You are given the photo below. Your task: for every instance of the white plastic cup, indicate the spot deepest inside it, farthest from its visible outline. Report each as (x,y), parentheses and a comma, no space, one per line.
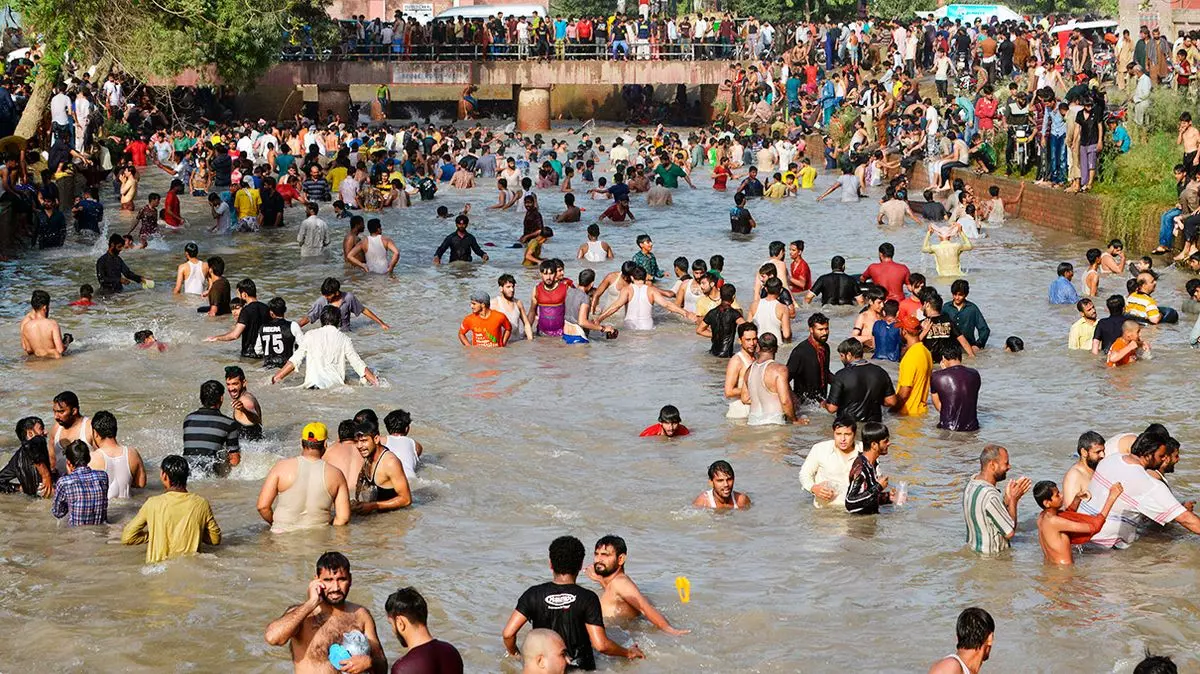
(902,493)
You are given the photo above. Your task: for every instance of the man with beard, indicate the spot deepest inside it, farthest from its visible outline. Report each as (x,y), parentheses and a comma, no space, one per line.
(246,410)
(622,598)
(1091,452)
(1146,497)
(320,622)
(720,494)
(991,518)
(570,610)
(976,632)
(409,616)
(382,485)
(69,425)
(748,339)
(808,364)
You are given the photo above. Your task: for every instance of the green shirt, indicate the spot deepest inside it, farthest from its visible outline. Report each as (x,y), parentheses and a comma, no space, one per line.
(670,175)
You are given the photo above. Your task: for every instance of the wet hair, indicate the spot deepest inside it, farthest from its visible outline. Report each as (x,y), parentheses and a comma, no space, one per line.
(891,308)
(932,298)
(366,414)
(669,414)
(330,286)
(191,249)
(235,372)
(849,347)
(1092,255)
(1088,439)
(1156,664)
(345,430)
(374,226)
(27,424)
(775,248)
(1064,268)
(104,424)
(816,319)
(333,561)
(837,263)
(874,293)
(887,250)
(86,290)
(681,263)
(367,427)
(77,453)
(331,315)
(643,238)
(587,277)
(612,541)
(1147,443)
(728,292)
(176,469)
(768,269)
(277,306)
(716,262)
(799,244)
(989,454)
(506,278)
(915,279)
(872,432)
(216,264)
(721,467)
(768,342)
(844,421)
(397,422)
(960,287)
(409,604)
(40,299)
(748,326)
(1043,491)
(247,286)
(211,393)
(67,398)
(1115,304)
(1014,344)
(566,555)
(973,628)
(773,286)
(949,350)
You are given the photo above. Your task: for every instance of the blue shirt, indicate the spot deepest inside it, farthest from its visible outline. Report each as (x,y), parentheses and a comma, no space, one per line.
(1121,137)
(447,172)
(560,29)
(887,341)
(1062,292)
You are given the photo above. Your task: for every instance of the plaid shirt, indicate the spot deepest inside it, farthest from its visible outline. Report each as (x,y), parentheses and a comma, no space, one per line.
(83,495)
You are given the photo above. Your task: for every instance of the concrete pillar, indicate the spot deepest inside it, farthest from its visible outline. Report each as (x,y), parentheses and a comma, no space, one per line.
(533,109)
(335,99)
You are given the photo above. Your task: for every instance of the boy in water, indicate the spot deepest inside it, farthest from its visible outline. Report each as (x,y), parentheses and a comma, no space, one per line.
(85,296)
(1059,528)
(670,424)
(145,340)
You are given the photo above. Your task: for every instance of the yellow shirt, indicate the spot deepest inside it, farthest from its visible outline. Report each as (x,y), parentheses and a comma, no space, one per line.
(777,190)
(916,368)
(173,524)
(705,304)
(808,176)
(1082,332)
(335,177)
(946,254)
(246,202)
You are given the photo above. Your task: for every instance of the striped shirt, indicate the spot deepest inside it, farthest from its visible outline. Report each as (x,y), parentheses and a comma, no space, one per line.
(988,521)
(316,189)
(82,497)
(207,432)
(1144,500)
(1141,306)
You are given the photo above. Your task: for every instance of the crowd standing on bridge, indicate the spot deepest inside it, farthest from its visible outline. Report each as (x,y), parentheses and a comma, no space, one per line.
(255,175)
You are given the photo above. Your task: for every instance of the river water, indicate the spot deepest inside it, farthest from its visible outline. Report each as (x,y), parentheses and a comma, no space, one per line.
(540,440)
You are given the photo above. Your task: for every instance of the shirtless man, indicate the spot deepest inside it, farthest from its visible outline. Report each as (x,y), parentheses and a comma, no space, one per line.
(1112,261)
(736,368)
(350,242)
(40,335)
(69,425)
(720,494)
(622,598)
(318,623)
(507,303)
(864,324)
(344,455)
(638,315)
(246,410)
(1059,529)
(382,485)
(765,387)
(615,281)
(1091,451)
(1188,139)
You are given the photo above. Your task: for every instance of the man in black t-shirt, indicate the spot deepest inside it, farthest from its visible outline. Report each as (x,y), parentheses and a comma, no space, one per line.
(836,287)
(860,389)
(566,608)
(1109,329)
(938,328)
(271,210)
(278,336)
(249,323)
(720,324)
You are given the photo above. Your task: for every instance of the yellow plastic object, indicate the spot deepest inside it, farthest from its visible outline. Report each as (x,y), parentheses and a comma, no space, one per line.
(684,587)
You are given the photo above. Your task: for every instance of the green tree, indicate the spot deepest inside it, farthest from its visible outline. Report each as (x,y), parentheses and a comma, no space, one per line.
(231,40)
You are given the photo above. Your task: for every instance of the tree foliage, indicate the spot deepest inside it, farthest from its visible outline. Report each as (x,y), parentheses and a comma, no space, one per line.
(162,38)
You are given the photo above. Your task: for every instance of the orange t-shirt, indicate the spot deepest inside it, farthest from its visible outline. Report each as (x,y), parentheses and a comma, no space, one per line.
(486,332)
(1119,344)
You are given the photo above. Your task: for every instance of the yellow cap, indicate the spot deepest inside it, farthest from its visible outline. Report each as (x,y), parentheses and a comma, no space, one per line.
(314,431)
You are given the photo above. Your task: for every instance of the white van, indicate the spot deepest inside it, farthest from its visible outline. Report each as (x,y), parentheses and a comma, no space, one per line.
(484,11)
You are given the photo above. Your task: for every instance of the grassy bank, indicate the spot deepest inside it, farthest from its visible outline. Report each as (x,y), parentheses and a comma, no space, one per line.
(1138,186)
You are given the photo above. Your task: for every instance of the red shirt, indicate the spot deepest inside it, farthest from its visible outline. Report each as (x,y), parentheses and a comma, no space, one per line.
(909,306)
(801,271)
(720,176)
(84,302)
(891,276)
(657,429)
(614,213)
(1095,521)
(138,149)
(170,214)
(584,29)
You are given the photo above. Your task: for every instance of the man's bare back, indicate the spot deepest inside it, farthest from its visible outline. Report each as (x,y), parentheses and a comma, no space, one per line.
(41,337)
(1075,481)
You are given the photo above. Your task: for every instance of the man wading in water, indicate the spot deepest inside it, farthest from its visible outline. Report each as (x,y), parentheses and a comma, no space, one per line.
(322,620)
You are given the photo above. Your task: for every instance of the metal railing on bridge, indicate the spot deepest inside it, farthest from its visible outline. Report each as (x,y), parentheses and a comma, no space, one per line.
(617,50)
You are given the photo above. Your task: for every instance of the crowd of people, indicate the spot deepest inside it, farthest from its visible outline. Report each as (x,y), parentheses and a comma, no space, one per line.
(254,176)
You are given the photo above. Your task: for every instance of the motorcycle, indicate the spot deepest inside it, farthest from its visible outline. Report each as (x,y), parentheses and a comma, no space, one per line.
(1022,154)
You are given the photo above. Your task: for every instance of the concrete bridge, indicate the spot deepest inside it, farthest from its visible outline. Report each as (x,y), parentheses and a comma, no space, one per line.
(528,81)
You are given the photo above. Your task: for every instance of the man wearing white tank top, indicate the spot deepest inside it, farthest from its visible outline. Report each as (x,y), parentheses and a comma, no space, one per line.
(594,250)
(371,254)
(640,297)
(771,316)
(69,425)
(190,275)
(976,633)
(736,368)
(123,464)
(765,387)
(507,304)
